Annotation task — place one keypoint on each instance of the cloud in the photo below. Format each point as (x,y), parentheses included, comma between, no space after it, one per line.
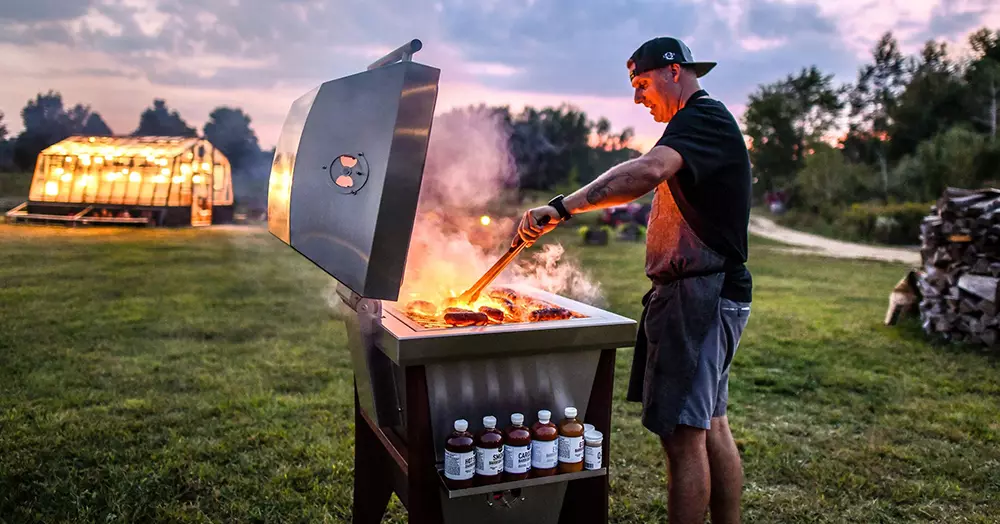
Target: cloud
(202,53)
(43,10)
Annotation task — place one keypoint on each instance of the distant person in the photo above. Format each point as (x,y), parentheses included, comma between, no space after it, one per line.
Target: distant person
(696,251)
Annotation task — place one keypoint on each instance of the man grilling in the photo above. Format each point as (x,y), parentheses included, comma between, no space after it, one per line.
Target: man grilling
(696,250)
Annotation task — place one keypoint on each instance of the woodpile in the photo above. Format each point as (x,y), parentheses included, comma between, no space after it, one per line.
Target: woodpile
(960,279)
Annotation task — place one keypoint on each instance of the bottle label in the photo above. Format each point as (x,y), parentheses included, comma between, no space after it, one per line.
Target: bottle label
(570,449)
(544,454)
(592,457)
(489,461)
(459,466)
(517,459)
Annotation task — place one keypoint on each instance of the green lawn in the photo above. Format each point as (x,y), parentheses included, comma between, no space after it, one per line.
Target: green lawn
(197,375)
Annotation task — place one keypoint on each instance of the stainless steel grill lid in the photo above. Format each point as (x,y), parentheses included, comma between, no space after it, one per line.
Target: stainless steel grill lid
(347,171)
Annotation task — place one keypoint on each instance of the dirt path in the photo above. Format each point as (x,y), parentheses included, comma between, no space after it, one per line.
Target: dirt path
(806,243)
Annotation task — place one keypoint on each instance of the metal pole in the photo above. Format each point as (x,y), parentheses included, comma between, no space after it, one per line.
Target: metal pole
(402,53)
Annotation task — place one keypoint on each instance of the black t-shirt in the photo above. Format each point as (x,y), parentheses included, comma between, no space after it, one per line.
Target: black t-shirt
(713,189)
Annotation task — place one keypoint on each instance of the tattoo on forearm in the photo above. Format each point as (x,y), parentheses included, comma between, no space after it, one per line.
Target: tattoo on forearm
(601,190)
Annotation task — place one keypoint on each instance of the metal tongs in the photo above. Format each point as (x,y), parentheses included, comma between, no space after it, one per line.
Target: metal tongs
(472,294)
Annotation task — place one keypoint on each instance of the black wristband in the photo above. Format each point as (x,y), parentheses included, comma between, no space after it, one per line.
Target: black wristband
(557,203)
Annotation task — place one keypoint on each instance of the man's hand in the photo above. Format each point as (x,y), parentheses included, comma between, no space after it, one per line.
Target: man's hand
(529,231)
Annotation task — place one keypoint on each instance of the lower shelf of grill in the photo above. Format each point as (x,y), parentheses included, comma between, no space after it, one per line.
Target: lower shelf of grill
(517,484)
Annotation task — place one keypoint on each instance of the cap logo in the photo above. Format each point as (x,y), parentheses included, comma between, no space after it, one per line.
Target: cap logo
(668,55)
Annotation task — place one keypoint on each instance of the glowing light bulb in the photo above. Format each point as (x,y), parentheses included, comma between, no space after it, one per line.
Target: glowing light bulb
(85,160)
(69,159)
(159,179)
(165,171)
(67,177)
(205,166)
(51,188)
(135,177)
(196,179)
(179,179)
(484,220)
(99,160)
(58,171)
(194,167)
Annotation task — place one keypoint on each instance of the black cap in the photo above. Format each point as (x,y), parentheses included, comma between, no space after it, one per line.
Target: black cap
(663,51)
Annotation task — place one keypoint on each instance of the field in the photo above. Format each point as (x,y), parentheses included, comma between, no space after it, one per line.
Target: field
(198,376)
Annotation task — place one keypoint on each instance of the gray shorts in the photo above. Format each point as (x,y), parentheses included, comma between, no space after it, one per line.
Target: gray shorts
(709,394)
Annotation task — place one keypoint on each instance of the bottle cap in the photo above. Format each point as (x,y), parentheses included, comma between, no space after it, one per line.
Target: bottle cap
(593,436)
(570,412)
(461,424)
(544,416)
(490,422)
(516,419)
(588,427)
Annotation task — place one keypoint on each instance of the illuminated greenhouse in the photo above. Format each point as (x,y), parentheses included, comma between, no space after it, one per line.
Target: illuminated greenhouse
(164,181)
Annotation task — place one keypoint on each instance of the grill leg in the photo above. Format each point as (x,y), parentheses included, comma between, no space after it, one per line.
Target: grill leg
(587,499)
(372,483)
(424,485)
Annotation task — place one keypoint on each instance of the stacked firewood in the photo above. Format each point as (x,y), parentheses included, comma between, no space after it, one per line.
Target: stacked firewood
(959,280)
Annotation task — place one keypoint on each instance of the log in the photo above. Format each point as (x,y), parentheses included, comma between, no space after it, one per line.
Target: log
(981,286)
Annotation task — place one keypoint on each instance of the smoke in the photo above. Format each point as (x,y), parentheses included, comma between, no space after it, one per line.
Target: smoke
(469,166)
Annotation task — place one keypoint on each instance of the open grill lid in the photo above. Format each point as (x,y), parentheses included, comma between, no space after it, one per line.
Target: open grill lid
(347,170)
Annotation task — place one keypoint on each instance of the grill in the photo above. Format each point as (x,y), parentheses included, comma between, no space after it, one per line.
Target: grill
(343,193)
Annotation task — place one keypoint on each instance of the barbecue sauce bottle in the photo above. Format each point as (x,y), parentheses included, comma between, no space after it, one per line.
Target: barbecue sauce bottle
(544,446)
(489,453)
(570,443)
(516,449)
(459,457)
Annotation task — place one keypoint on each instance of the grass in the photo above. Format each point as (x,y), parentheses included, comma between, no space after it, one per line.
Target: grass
(197,376)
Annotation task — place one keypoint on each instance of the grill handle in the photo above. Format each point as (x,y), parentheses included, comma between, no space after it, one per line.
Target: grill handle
(402,53)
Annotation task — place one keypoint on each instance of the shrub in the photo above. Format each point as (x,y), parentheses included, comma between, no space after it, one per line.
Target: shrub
(884,224)
(954,158)
(828,180)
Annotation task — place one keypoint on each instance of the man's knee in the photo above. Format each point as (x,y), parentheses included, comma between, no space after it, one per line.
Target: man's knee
(684,441)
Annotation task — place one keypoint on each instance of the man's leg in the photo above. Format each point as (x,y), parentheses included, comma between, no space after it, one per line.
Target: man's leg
(726,471)
(688,467)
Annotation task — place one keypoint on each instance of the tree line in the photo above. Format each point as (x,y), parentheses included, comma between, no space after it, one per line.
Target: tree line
(904,129)
(552,146)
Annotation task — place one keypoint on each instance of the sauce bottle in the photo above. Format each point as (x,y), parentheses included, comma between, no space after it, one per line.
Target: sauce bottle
(459,457)
(516,449)
(570,443)
(544,446)
(594,450)
(489,453)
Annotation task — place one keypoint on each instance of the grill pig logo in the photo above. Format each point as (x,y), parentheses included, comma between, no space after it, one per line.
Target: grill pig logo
(349,173)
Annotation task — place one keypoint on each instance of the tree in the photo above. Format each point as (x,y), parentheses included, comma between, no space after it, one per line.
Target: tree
(96,126)
(160,121)
(229,130)
(785,119)
(934,100)
(45,123)
(983,77)
(872,101)
(3,128)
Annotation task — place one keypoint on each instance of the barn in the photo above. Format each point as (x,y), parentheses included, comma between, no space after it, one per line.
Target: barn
(162,181)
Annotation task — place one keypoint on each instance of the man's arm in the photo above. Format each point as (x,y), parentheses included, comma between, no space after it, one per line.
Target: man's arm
(619,185)
(626,181)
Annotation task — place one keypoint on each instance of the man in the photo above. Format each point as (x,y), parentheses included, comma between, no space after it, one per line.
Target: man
(696,250)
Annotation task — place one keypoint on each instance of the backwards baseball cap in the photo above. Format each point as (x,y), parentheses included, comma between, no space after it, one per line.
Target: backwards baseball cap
(663,51)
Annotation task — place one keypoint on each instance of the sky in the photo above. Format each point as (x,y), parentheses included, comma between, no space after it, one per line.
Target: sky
(260,55)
